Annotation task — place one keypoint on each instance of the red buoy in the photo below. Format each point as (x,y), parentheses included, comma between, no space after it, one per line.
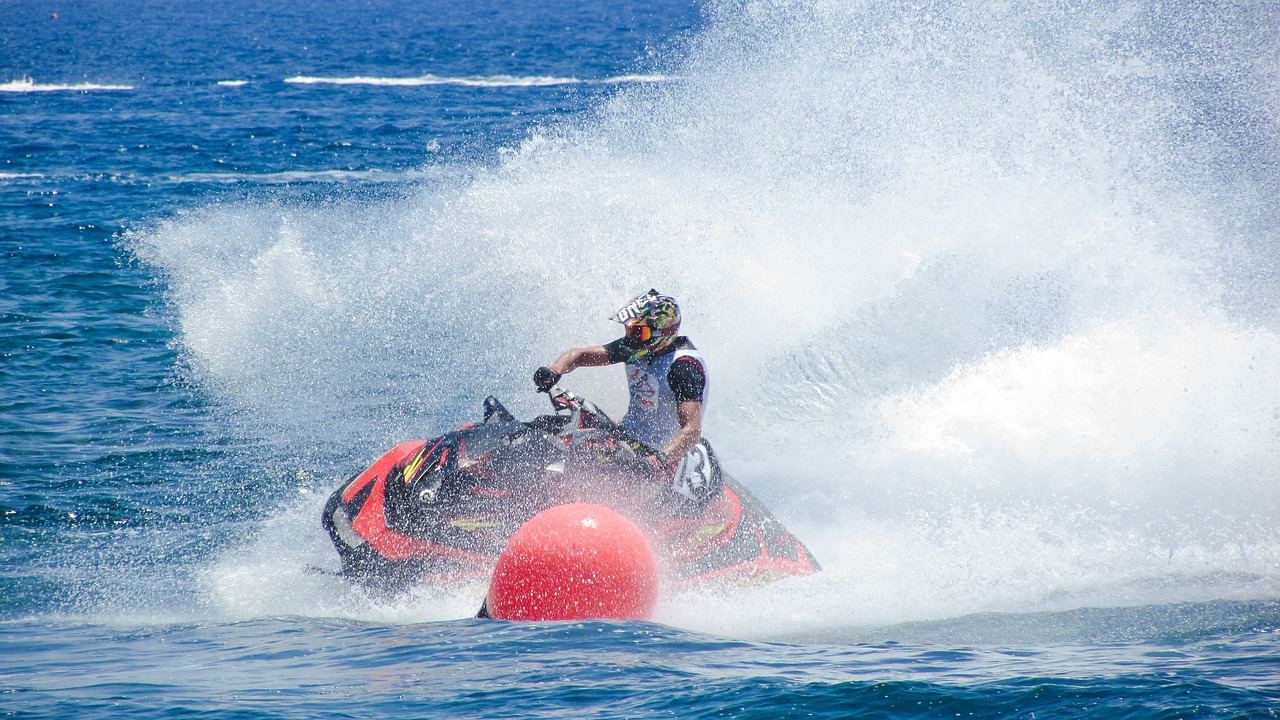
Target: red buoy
(575,562)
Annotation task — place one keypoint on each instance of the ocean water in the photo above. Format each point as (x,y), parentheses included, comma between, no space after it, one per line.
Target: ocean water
(990,292)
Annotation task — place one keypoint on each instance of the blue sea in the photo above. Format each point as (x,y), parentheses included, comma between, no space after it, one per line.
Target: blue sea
(990,294)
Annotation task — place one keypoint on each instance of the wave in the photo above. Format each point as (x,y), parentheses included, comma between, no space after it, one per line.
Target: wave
(27,85)
(303,176)
(233,178)
(474,80)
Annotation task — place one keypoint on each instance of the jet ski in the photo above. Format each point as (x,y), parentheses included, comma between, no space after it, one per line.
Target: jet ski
(440,511)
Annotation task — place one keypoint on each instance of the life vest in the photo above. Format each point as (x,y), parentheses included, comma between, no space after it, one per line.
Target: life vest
(651,416)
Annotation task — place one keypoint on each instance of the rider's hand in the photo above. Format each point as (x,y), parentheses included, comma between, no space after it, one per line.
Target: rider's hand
(661,466)
(545,378)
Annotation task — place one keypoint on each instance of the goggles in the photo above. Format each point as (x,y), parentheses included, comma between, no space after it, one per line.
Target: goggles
(639,332)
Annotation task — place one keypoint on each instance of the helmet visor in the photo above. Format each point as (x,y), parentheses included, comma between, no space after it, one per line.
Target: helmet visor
(633,310)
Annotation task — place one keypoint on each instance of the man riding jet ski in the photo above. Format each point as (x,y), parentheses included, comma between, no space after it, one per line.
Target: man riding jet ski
(440,511)
(666,377)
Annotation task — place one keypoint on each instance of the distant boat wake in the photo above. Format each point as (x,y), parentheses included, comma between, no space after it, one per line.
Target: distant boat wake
(27,85)
(473,80)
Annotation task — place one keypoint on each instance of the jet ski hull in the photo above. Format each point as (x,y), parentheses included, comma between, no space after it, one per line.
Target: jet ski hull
(440,511)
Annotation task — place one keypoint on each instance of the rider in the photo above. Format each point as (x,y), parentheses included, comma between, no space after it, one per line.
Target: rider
(666,375)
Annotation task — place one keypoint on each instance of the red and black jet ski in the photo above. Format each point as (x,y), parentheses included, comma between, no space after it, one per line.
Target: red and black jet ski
(440,511)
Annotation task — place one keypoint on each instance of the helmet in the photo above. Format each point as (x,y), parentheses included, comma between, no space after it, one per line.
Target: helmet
(649,318)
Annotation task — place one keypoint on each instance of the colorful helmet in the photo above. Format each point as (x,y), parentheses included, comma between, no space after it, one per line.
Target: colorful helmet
(649,317)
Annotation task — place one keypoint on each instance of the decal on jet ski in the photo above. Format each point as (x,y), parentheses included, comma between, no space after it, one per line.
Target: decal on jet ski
(410,473)
(381,467)
(472,524)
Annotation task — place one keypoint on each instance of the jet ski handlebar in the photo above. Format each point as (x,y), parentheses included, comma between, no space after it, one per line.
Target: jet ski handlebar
(564,401)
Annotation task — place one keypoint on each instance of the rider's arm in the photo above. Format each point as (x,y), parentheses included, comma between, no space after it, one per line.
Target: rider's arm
(581,357)
(688,381)
(546,377)
(690,416)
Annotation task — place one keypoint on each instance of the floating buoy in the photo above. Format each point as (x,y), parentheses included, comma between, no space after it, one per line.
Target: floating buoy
(575,562)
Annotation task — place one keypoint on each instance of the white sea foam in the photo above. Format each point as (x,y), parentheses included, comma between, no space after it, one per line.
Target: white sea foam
(27,85)
(256,580)
(472,81)
(304,176)
(233,83)
(992,322)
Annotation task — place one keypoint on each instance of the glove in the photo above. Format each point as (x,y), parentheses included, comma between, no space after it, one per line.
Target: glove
(544,378)
(659,465)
